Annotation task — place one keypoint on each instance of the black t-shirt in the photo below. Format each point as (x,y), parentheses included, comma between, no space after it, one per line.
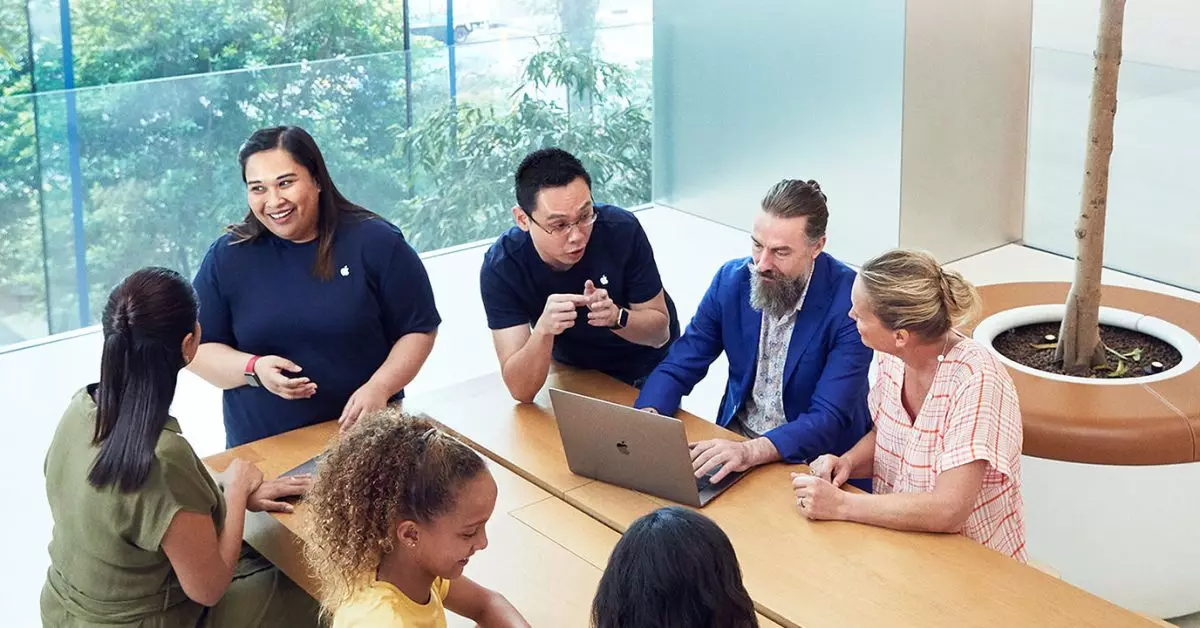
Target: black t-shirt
(515,284)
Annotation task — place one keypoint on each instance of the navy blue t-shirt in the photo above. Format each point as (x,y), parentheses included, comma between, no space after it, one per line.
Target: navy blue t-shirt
(515,284)
(261,297)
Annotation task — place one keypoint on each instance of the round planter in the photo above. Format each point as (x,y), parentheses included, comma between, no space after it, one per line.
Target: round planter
(991,327)
(1110,466)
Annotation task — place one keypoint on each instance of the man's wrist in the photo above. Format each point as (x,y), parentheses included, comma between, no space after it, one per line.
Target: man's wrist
(761,451)
(620,320)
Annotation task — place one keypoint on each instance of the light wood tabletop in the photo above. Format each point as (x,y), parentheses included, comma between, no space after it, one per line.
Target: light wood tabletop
(551,581)
(799,573)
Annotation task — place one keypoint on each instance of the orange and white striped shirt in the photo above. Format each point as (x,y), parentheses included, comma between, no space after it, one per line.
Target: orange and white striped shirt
(971,413)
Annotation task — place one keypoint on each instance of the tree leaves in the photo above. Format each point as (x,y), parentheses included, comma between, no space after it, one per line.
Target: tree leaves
(159,164)
(462,186)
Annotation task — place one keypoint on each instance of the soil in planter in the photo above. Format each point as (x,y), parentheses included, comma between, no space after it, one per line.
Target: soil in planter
(1028,345)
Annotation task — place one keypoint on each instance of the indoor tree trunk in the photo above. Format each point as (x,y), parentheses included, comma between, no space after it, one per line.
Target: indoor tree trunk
(1079,345)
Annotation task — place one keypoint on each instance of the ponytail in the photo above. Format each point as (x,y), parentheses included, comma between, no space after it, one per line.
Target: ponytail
(961,298)
(145,322)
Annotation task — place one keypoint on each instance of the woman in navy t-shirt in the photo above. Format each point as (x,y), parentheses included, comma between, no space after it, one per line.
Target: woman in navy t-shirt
(312,307)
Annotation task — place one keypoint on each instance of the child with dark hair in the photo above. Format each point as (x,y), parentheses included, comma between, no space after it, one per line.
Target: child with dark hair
(673,568)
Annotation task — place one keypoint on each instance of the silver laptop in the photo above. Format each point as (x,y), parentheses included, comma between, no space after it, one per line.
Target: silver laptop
(631,448)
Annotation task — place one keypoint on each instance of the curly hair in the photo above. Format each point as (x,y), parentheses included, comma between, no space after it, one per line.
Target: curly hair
(391,467)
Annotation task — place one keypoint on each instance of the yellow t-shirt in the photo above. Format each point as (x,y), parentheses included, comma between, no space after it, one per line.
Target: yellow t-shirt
(382,605)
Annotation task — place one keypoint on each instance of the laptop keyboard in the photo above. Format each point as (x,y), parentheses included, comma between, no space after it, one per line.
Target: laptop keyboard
(703,484)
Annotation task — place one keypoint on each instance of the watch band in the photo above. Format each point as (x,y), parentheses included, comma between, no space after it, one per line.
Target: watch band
(248,372)
(622,319)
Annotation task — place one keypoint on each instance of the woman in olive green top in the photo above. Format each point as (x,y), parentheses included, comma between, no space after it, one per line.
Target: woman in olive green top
(142,534)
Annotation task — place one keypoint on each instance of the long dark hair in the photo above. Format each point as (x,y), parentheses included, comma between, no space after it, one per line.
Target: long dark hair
(331,205)
(145,321)
(673,568)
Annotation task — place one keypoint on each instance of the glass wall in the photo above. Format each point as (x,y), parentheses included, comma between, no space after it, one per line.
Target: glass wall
(22,279)
(136,163)
(749,92)
(1152,217)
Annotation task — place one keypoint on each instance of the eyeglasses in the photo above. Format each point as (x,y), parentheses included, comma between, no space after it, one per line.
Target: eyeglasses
(559,231)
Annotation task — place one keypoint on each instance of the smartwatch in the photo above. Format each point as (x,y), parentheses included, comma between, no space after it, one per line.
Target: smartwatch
(622,319)
(252,377)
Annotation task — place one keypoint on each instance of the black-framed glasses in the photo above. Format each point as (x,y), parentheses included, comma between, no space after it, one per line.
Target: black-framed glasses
(559,231)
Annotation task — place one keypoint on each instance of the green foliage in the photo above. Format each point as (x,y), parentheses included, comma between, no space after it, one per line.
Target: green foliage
(119,41)
(464,158)
(12,38)
(159,156)
(21,277)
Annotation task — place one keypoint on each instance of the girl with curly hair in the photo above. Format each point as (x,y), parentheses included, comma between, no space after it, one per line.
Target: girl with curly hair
(397,509)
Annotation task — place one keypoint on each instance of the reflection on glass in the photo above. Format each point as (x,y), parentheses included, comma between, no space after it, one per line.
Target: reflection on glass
(161,180)
(1152,218)
(22,282)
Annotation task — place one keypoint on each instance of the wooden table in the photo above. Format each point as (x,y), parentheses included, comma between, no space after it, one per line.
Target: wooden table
(799,573)
(543,554)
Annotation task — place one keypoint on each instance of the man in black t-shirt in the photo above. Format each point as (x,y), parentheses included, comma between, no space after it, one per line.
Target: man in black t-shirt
(573,281)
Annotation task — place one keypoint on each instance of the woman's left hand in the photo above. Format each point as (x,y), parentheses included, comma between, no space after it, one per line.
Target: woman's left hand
(817,498)
(365,400)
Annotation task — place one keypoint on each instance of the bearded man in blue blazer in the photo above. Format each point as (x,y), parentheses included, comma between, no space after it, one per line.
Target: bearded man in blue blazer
(797,366)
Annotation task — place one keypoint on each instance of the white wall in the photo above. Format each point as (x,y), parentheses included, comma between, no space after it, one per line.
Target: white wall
(966,79)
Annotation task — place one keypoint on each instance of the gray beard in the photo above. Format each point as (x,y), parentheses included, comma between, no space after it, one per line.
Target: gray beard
(778,298)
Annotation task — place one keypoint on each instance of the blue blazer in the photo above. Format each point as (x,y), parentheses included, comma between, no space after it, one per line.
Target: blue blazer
(825,377)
